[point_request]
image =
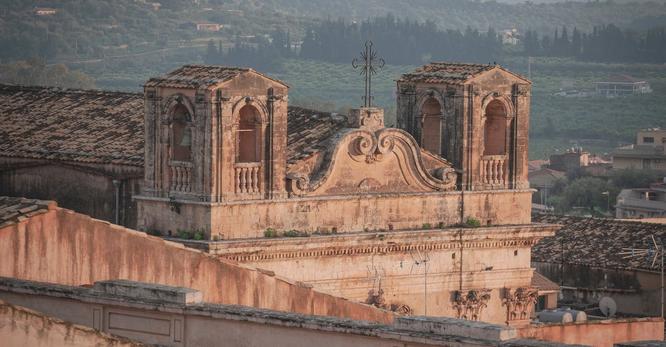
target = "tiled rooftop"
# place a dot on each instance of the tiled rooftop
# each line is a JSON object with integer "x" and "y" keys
{"x": 542, "y": 283}
{"x": 439, "y": 72}
{"x": 195, "y": 76}
{"x": 308, "y": 131}
{"x": 107, "y": 127}
{"x": 596, "y": 242}
{"x": 71, "y": 125}
{"x": 14, "y": 210}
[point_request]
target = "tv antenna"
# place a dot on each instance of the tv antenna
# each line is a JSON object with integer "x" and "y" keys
{"x": 422, "y": 259}
{"x": 653, "y": 253}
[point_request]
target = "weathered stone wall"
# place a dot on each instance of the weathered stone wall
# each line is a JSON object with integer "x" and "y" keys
{"x": 64, "y": 247}
{"x": 355, "y": 265}
{"x": 598, "y": 333}
{"x": 343, "y": 213}
{"x": 23, "y": 327}
{"x": 86, "y": 190}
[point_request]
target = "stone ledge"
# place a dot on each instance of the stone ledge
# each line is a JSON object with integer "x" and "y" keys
{"x": 150, "y": 291}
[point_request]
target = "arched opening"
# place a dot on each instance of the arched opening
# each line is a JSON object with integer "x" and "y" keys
{"x": 249, "y": 141}
{"x": 181, "y": 134}
{"x": 431, "y": 138}
{"x": 495, "y": 129}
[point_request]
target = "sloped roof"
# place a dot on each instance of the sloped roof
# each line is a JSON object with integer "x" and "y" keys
{"x": 71, "y": 125}
{"x": 90, "y": 126}
{"x": 449, "y": 73}
{"x": 308, "y": 131}
{"x": 14, "y": 210}
{"x": 542, "y": 283}
{"x": 595, "y": 241}
{"x": 195, "y": 76}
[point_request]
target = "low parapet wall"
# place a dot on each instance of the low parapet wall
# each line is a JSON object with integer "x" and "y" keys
{"x": 343, "y": 213}
{"x": 603, "y": 333}
{"x": 68, "y": 248}
{"x": 23, "y": 327}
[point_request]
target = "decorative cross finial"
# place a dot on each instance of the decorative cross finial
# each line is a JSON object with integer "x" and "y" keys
{"x": 369, "y": 63}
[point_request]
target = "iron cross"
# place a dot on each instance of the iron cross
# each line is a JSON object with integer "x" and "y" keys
{"x": 369, "y": 63}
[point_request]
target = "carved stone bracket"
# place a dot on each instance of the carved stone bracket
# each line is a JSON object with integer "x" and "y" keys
{"x": 470, "y": 304}
{"x": 376, "y": 298}
{"x": 519, "y": 303}
{"x": 369, "y": 118}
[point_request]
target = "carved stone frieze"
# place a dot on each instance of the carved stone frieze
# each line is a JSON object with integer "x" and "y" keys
{"x": 376, "y": 298}
{"x": 470, "y": 304}
{"x": 519, "y": 303}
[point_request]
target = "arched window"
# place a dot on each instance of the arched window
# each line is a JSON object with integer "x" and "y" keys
{"x": 249, "y": 141}
{"x": 181, "y": 134}
{"x": 495, "y": 129}
{"x": 431, "y": 113}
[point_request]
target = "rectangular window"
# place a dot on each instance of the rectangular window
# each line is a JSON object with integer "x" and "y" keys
{"x": 648, "y": 139}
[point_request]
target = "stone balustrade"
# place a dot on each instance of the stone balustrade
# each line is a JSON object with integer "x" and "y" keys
{"x": 493, "y": 171}
{"x": 248, "y": 178}
{"x": 181, "y": 176}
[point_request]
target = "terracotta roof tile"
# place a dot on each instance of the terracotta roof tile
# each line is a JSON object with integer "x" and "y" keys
{"x": 71, "y": 125}
{"x": 595, "y": 241}
{"x": 308, "y": 131}
{"x": 440, "y": 72}
{"x": 542, "y": 283}
{"x": 107, "y": 127}
{"x": 194, "y": 76}
{"x": 14, "y": 210}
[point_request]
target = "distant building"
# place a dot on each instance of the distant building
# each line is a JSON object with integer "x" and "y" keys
{"x": 202, "y": 26}
{"x": 542, "y": 180}
{"x": 571, "y": 160}
{"x": 45, "y": 11}
{"x": 208, "y": 27}
{"x": 649, "y": 152}
{"x": 642, "y": 203}
{"x": 510, "y": 37}
{"x": 622, "y": 85}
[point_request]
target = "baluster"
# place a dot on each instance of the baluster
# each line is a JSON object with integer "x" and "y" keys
{"x": 188, "y": 174}
{"x": 238, "y": 180}
{"x": 243, "y": 180}
{"x": 501, "y": 171}
{"x": 255, "y": 179}
{"x": 495, "y": 177}
{"x": 172, "y": 185}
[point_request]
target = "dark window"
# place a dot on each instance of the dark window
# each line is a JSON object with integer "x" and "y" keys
{"x": 495, "y": 129}
{"x": 648, "y": 139}
{"x": 181, "y": 134}
{"x": 249, "y": 141}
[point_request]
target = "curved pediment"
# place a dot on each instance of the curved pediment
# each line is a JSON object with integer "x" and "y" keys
{"x": 364, "y": 161}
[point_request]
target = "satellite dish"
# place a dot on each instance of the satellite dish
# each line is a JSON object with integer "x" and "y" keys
{"x": 607, "y": 306}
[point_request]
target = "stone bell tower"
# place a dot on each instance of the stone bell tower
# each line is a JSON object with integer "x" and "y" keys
{"x": 475, "y": 116}
{"x": 213, "y": 134}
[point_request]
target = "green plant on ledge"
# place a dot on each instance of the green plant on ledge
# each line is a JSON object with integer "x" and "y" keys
{"x": 426, "y": 226}
{"x": 472, "y": 222}
{"x": 183, "y": 234}
{"x": 270, "y": 232}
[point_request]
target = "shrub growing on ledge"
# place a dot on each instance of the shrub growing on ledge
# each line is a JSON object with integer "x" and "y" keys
{"x": 199, "y": 235}
{"x": 184, "y": 234}
{"x": 426, "y": 226}
{"x": 270, "y": 232}
{"x": 295, "y": 233}
{"x": 472, "y": 222}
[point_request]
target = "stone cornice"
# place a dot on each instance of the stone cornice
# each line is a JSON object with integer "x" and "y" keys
{"x": 520, "y": 236}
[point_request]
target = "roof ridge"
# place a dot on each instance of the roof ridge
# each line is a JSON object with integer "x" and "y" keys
{"x": 19, "y": 87}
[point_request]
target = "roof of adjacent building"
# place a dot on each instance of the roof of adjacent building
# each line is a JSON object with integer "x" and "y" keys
{"x": 14, "y": 210}
{"x": 450, "y": 73}
{"x": 543, "y": 284}
{"x": 195, "y": 76}
{"x": 308, "y": 131}
{"x": 71, "y": 125}
{"x": 640, "y": 151}
{"x": 89, "y": 126}
{"x": 596, "y": 242}
{"x": 621, "y": 78}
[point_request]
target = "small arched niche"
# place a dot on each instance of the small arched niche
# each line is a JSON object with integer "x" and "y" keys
{"x": 181, "y": 134}
{"x": 249, "y": 139}
{"x": 495, "y": 129}
{"x": 431, "y": 113}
